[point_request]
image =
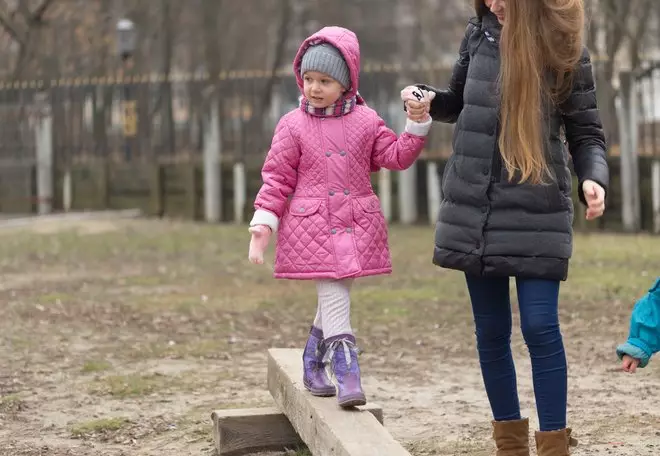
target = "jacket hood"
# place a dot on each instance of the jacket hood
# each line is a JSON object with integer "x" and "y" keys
{"x": 346, "y": 42}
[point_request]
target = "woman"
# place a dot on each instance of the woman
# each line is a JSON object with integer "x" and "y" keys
{"x": 522, "y": 77}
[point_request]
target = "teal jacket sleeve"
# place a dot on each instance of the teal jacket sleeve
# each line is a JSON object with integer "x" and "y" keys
{"x": 644, "y": 336}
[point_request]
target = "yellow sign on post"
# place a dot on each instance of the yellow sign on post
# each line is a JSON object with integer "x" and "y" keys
{"x": 130, "y": 118}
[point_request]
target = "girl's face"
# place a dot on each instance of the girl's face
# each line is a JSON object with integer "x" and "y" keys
{"x": 497, "y": 7}
{"x": 321, "y": 90}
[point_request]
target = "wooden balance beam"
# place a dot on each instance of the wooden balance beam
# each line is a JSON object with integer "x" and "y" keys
{"x": 238, "y": 432}
{"x": 326, "y": 428}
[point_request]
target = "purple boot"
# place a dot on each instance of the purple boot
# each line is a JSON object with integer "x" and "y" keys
{"x": 315, "y": 378}
{"x": 343, "y": 353}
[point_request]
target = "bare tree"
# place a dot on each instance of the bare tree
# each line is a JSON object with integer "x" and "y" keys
{"x": 617, "y": 38}
{"x": 24, "y": 21}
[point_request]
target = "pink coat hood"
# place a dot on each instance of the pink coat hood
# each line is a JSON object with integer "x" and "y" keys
{"x": 347, "y": 43}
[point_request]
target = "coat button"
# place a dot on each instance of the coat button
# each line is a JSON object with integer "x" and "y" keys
{"x": 346, "y": 191}
{"x": 485, "y": 170}
{"x": 349, "y": 230}
{"x": 333, "y": 231}
{"x": 342, "y": 153}
{"x": 301, "y": 209}
{"x": 327, "y": 154}
{"x": 331, "y": 192}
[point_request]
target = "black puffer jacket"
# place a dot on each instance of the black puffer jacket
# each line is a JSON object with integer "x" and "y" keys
{"x": 488, "y": 226}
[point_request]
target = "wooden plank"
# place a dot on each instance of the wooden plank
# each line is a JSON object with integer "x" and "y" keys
{"x": 326, "y": 428}
{"x": 243, "y": 431}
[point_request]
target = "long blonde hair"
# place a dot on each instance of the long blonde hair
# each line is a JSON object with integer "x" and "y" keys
{"x": 541, "y": 45}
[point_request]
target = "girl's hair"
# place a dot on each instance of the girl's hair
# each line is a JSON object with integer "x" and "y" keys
{"x": 541, "y": 45}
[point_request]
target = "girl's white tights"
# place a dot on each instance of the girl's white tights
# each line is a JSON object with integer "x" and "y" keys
{"x": 333, "y": 313}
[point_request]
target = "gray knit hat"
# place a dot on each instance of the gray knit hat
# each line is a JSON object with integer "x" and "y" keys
{"x": 327, "y": 59}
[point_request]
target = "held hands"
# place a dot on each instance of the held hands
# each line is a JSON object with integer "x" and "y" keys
{"x": 417, "y": 102}
{"x": 594, "y": 194}
{"x": 258, "y": 243}
{"x": 629, "y": 364}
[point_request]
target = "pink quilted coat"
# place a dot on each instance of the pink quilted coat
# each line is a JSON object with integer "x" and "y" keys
{"x": 316, "y": 191}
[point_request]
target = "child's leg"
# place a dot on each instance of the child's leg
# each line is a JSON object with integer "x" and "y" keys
{"x": 315, "y": 378}
{"x": 540, "y": 327}
{"x": 334, "y": 303}
{"x": 318, "y": 322}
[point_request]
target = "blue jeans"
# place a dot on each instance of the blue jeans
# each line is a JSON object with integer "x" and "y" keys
{"x": 538, "y": 301}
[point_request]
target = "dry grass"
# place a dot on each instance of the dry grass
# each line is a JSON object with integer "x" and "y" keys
{"x": 163, "y": 322}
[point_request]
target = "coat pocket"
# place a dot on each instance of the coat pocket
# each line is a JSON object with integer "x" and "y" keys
{"x": 301, "y": 207}
{"x": 369, "y": 204}
{"x": 370, "y": 230}
{"x": 303, "y": 242}
{"x": 555, "y": 197}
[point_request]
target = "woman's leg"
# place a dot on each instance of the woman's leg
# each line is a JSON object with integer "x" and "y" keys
{"x": 491, "y": 307}
{"x": 538, "y": 301}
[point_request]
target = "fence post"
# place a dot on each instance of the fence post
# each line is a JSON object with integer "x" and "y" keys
{"x": 240, "y": 192}
{"x": 385, "y": 192}
{"x": 212, "y": 160}
{"x": 407, "y": 178}
{"x": 44, "y": 152}
{"x": 434, "y": 191}
{"x": 407, "y": 189}
{"x": 629, "y": 130}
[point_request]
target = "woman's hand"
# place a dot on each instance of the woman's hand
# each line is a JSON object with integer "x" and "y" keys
{"x": 594, "y": 194}
{"x": 417, "y": 102}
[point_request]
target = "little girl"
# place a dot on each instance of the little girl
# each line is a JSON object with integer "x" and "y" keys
{"x": 317, "y": 196}
{"x": 644, "y": 338}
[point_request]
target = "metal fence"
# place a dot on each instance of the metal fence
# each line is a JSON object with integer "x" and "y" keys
{"x": 161, "y": 117}
{"x": 148, "y": 117}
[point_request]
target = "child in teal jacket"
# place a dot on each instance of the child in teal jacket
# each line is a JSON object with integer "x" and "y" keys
{"x": 644, "y": 338}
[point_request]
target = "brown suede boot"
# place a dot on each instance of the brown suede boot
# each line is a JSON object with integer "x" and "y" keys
{"x": 511, "y": 437}
{"x": 555, "y": 443}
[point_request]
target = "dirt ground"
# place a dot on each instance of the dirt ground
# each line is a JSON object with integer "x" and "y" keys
{"x": 120, "y": 338}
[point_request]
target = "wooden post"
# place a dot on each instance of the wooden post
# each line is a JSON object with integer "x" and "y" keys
{"x": 323, "y": 426}
{"x": 212, "y": 159}
{"x": 629, "y": 128}
{"x": 251, "y": 430}
{"x": 45, "y": 159}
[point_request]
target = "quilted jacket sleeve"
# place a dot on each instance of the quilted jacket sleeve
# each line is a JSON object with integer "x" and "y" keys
{"x": 644, "y": 337}
{"x": 448, "y": 104}
{"x": 584, "y": 130}
{"x": 394, "y": 153}
{"x": 280, "y": 175}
